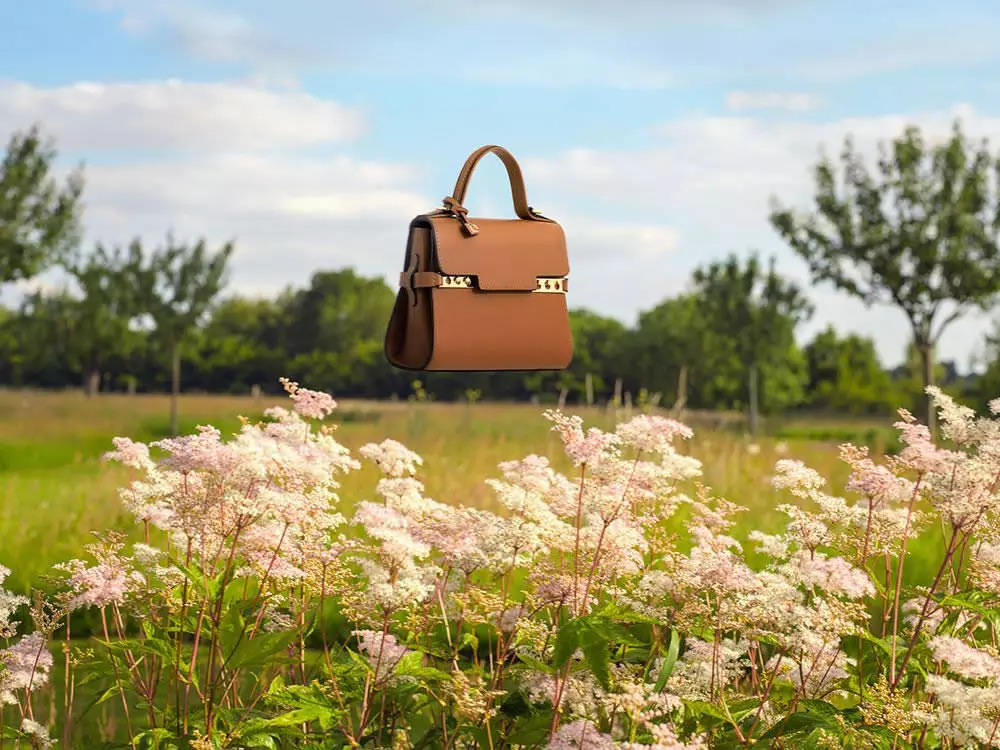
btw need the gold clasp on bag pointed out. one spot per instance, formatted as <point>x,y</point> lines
<point>542,285</point>
<point>553,286</point>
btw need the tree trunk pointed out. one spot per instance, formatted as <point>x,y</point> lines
<point>91,381</point>
<point>752,418</point>
<point>175,386</point>
<point>926,350</point>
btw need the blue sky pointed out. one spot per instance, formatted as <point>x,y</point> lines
<point>655,132</point>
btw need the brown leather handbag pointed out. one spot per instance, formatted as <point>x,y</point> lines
<point>482,294</point>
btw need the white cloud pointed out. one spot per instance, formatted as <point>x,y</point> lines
<point>175,114</point>
<point>710,178</point>
<point>737,101</point>
<point>592,239</point>
<point>637,221</point>
<point>290,213</point>
<point>291,216</point>
<point>208,33</point>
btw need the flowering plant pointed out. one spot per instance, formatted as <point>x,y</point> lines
<point>261,611</point>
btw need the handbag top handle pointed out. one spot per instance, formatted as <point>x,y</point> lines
<point>453,203</point>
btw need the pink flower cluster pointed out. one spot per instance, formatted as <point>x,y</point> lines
<point>264,507</point>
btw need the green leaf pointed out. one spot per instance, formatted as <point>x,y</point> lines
<point>704,708</point>
<point>610,630</point>
<point>618,613</point>
<point>231,630</point>
<point>538,666</point>
<point>739,710</point>
<point>819,707</point>
<point>668,662</point>
<point>151,738</point>
<point>804,721</point>
<point>265,741</point>
<point>469,640</point>
<point>264,648</point>
<point>567,642</point>
<point>277,685</point>
<point>530,730</point>
<point>411,665</point>
<point>594,645</point>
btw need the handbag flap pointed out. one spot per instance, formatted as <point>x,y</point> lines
<point>505,255</point>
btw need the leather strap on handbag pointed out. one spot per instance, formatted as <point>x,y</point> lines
<point>482,294</point>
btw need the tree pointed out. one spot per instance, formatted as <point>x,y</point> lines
<point>754,312</point>
<point>845,374</point>
<point>337,329</point>
<point>43,339</point>
<point>243,344</point>
<point>108,304</point>
<point>176,288</point>
<point>670,347</point>
<point>39,220</point>
<point>920,235</point>
<point>597,343</point>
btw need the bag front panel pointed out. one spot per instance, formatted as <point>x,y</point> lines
<point>504,255</point>
<point>475,330</point>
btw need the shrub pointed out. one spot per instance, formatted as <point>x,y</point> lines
<point>573,620</point>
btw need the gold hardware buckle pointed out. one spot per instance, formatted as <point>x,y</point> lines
<point>542,285</point>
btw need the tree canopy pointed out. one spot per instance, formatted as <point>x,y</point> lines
<point>39,218</point>
<point>919,233</point>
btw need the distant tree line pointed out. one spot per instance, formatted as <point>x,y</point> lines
<point>919,234</point>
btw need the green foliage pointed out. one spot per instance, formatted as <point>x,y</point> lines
<point>176,284</point>
<point>100,329</point>
<point>846,376</point>
<point>670,352</point>
<point>176,287</point>
<point>753,314</point>
<point>458,641</point>
<point>920,234</point>
<point>39,219</point>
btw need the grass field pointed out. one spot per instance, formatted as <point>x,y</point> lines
<point>55,490</point>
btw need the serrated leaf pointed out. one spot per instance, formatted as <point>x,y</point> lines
<point>265,741</point>
<point>264,648</point>
<point>800,721</point>
<point>818,707</point>
<point>151,738</point>
<point>739,710</point>
<point>567,642</point>
<point>412,665</point>
<point>538,666</point>
<point>594,645</point>
<point>470,640</point>
<point>610,630</point>
<point>277,684</point>
<point>704,708</point>
<point>530,730</point>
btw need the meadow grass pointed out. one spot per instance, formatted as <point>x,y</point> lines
<point>55,490</point>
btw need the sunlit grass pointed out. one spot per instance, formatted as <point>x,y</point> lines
<point>55,490</point>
